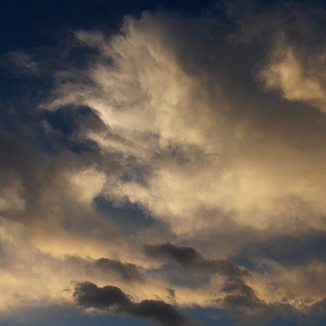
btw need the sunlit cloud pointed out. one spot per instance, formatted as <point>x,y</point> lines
<point>176,163</point>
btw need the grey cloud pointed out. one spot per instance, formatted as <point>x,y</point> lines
<point>89,295</point>
<point>318,308</point>
<point>293,20</point>
<point>131,216</point>
<point>171,294</point>
<point>66,129</point>
<point>129,272</point>
<point>189,258</point>
<point>240,294</point>
<point>125,271</point>
<point>292,250</point>
<point>243,303</point>
<point>165,313</point>
<point>240,299</point>
<point>112,298</point>
<point>293,38</point>
<point>20,63</point>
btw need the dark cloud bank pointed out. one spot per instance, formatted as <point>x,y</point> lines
<point>111,298</point>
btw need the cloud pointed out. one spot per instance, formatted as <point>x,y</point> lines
<point>178,141</point>
<point>293,36</point>
<point>240,295</point>
<point>318,308</point>
<point>89,295</point>
<point>299,249</point>
<point>245,186</point>
<point>127,272</point>
<point>190,259</point>
<point>20,63</point>
<point>112,298</point>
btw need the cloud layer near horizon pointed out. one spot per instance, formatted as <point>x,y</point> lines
<point>181,161</point>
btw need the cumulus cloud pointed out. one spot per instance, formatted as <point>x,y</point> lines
<point>187,136</point>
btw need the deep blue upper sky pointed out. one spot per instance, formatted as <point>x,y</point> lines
<point>30,23</point>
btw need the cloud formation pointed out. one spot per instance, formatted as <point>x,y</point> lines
<point>180,160</point>
<point>112,298</point>
<point>190,259</point>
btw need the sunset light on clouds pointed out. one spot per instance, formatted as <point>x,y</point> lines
<point>163,163</point>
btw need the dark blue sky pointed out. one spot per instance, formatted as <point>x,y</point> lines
<point>30,23</point>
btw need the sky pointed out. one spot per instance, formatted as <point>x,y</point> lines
<point>162,163</point>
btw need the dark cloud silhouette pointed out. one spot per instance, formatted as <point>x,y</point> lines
<point>89,295</point>
<point>111,298</point>
<point>190,259</point>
